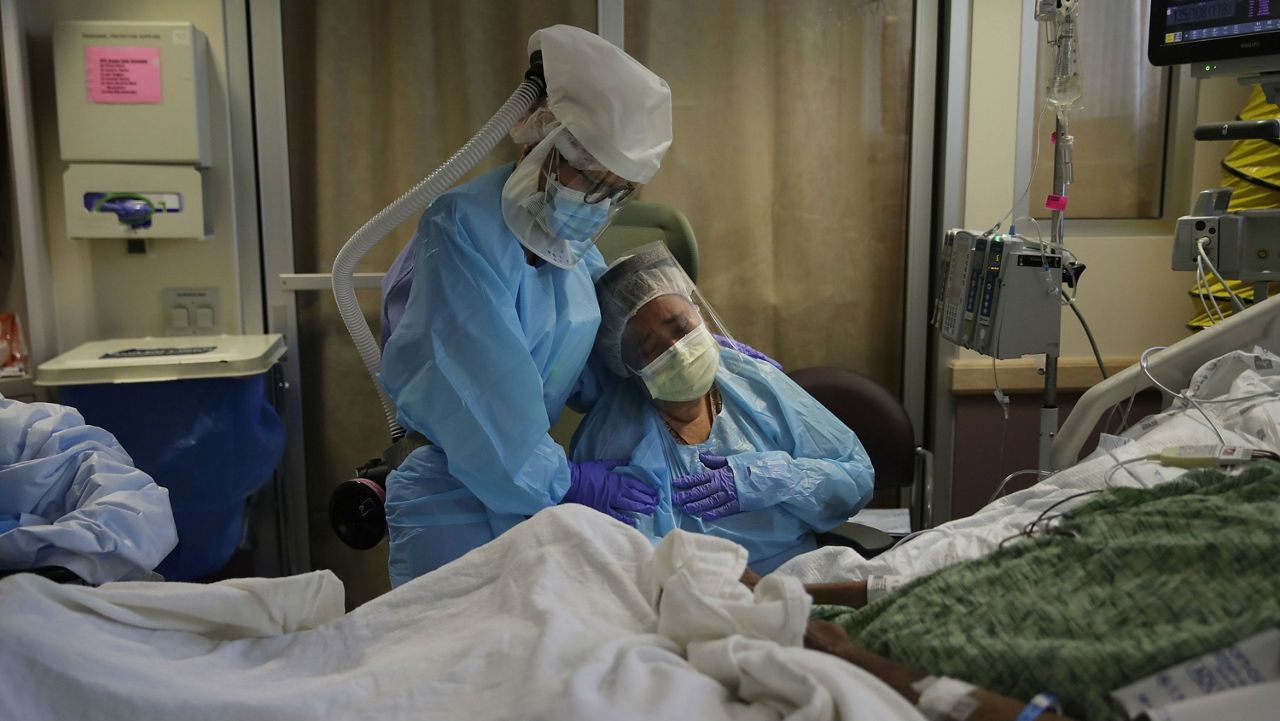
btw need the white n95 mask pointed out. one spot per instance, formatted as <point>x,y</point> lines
<point>686,370</point>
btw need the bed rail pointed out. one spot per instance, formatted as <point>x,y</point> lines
<point>1259,325</point>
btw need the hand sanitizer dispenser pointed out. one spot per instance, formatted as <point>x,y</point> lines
<point>133,126</point>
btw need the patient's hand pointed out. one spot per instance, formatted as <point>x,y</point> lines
<point>826,637</point>
<point>750,579</point>
<point>830,638</point>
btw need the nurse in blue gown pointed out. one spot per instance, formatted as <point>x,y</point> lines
<point>490,313</point>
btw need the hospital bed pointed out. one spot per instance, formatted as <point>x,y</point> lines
<point>1259,326</point>
<point>567,616</point>
<point>1218,358</point>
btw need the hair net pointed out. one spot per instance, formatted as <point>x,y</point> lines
<point>534,127</point>
<point>541,124</point>
<point>619,110</point>
<point>626,286</point>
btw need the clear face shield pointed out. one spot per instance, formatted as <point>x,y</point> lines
<point>659,330</point>
<point>560,199</point>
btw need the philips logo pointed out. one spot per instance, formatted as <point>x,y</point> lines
<point>1247,46</point>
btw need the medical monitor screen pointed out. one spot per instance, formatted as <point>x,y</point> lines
<point>1193,31</point>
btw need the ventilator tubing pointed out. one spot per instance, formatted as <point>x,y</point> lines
<point>405,207</point>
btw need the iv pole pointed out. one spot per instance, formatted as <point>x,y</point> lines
<point>1061,184</point>
<point>1061,17</point>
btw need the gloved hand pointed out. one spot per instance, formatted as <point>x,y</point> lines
<point>747,351</point>
<point>710,494</point>
<point>594,484</point>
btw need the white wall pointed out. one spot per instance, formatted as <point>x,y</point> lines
<point>1129,295</point>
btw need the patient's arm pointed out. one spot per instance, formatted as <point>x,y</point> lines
<point>830,638</point>
<point>851,593</point>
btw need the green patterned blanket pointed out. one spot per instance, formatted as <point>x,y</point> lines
<point>1146,579</point>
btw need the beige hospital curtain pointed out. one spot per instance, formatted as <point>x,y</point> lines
<point>378,95</point>
<point>790,160</point>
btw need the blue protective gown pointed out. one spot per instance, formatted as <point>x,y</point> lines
<point>71,497</point>
<point>798,469</point>
<point>485,356</point>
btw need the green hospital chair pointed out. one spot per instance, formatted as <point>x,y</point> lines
<point>640,223</point>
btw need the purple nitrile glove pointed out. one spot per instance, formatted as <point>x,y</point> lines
<point>747,351</point>
<point>595,485</point>
<point>710,494</point>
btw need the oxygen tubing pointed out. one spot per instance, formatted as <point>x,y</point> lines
<point>407,206</point>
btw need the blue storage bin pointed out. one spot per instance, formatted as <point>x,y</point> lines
<point>212,441</point>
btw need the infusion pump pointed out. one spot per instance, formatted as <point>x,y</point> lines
<point>999,295</point>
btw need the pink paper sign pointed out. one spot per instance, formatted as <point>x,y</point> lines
<point>122,75</point>
<point>1056,202</point>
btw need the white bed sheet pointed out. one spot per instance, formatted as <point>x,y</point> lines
<point>571,615</point>
<point>1254,423</point>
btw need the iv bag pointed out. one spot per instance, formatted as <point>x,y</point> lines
<point>1064,88</point>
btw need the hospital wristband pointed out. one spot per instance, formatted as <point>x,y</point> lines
<point>1037,706</point>
<point>944,698</point>
<point>880,586</point>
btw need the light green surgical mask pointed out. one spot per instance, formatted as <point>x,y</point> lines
<point>686,370</point>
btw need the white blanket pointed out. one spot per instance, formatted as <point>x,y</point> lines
<point>569,616</point>
<point>1253,422</point>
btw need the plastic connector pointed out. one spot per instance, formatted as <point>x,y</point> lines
<point>1212,456</point>
<point>535,71</point>
<point>1003,399</point>
<point>1071,273</point>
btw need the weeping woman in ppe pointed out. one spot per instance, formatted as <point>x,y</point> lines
<point>732,445</point>
<point>490,312</point>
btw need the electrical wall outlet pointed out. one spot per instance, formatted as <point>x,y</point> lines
<point>192,311</point>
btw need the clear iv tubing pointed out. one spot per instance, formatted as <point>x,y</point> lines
<point>405,207</point>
